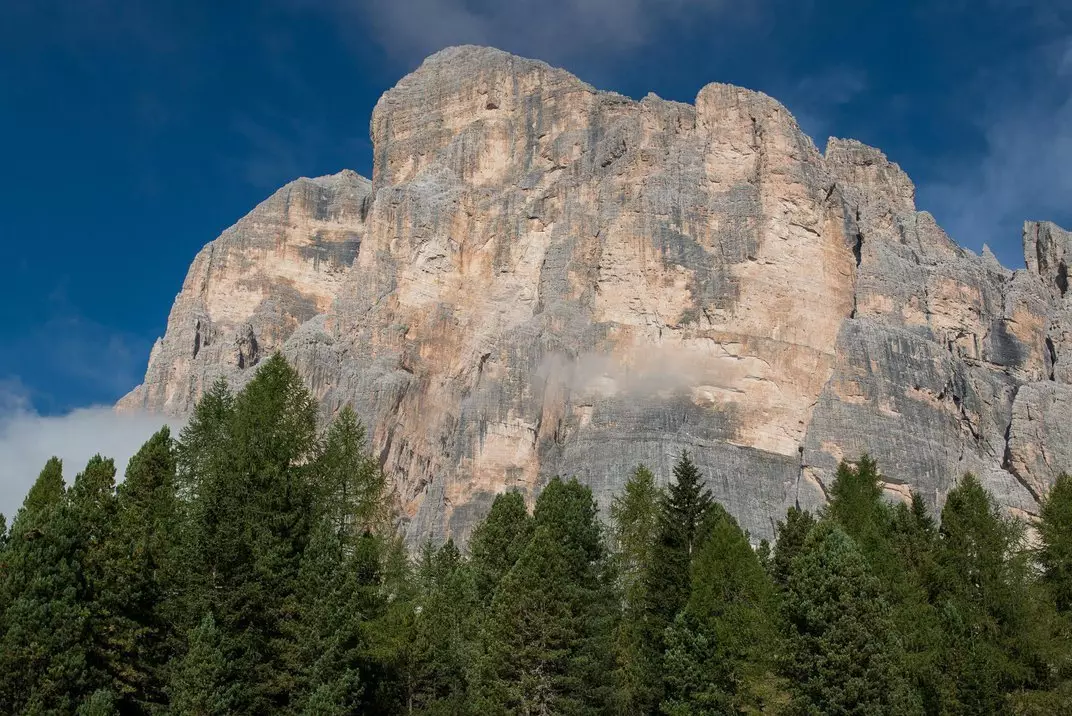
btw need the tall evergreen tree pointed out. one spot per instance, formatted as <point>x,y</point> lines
<point>730,627</point>
<point>984,597</point>
<point>792,533</point>
<point>680,530</point>
<point>443,643</point>
<point>498,542</point>
<point>353,488</point>
<point>548,635</point>
<point>635,517</point>
<point>47,492</point>
<point>249,466</point>
<point>204,682</point>
<point>93,507</point>
<point>324,626</point>
<point>139,578</point>
<point>43,657</point>
<point>1055,537</point>
<point>843,655</point>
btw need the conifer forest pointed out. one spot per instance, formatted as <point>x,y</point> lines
<point>253,564</point>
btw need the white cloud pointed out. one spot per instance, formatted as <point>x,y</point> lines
<point>549,29</point>
<point>1025,172</point>
<point>816,98</point>
<point>28,440</point>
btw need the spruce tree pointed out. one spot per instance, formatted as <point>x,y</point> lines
<point>635,517</point>
<point>249,466</point>
<point>204,682</point>
<point>442,640</point>
<point>733,612</point>
<point>324,626</point>
<point>792,533</point>
<point>680,530</point>
<point>498,542</point>
<point>697,681</point>
<point>48,491</point>
<point>547,637</point>
<point>352,487</point>
<point>139,578</point>
<point>984,598</point>
<point>843,657</point>
<point>1055,537</point>
<point>44,660</point>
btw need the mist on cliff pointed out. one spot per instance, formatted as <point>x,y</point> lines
<point>28,440</point>
<point>641,371</point>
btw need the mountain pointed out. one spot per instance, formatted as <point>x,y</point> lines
<point>542,278</point>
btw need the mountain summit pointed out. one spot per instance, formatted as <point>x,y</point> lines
<point>544,279</point>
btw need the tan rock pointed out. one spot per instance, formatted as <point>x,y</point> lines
<point>546,279</point>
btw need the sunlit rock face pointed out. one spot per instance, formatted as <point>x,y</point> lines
<point>545,279</point>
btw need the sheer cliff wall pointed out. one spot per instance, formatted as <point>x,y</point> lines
<point>542,278</point>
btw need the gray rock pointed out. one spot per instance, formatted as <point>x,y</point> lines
<point>545,279</point>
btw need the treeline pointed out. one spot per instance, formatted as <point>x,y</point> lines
<point>253,566</point>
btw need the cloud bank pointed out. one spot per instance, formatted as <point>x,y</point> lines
<point>28,440</point>
<point>1025,171</point>
<point>551,29</point>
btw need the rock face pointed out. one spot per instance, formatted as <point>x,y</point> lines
<point>545,279</point>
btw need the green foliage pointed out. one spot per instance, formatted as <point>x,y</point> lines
<point>254,567</point>
<point>546,642</point>
<point>44,655</point>
<point>48,491</point>
<point>984,597</point>
<point>352,490</point>
<point>101,702</point>
<point>792,533</point>
<point>735,604</point>
<point>138,579</point>
<point>1055,536</point>
<point>442,636</point>
<point>842,657</point>
<point>697,680</point>
<point>498,542</point>
<point>205,682</point>
<point>680,529</point>
<point>635,518</point>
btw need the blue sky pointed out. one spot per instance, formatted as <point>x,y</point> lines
<point>132,133</point>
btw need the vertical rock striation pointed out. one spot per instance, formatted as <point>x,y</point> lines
<point>546,279</point>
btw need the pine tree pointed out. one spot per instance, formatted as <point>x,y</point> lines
<point>697,682</point>
<point>92,503</point>
<point>842,657</point>
<point>353,488</point>
<point>984,597</point>
<point>250,467</point>
<point>205,682</point>
<point>324,626</point>
<point>733,610</point>
<point>139,578</point>
<point>44,666</point>
<point>792,533</point>
<point>48,491</point>
<point>442,639</point>
<point>680,530</point>
<point>1055,536</point>
<point>547,637</point>
<point>498,542</point>
<point>101,702</point>
<point>635,516</point>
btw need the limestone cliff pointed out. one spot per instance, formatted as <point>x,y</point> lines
<point>543,279</point>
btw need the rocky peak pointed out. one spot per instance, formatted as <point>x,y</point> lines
<point>547,279</point>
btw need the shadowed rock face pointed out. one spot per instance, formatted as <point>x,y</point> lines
<point>546,279</point>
